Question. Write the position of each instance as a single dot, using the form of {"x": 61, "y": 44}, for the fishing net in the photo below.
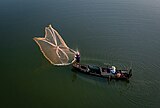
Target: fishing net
{"x": 54, "y": 48}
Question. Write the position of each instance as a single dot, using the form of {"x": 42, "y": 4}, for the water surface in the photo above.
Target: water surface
{"x": 116, "y": 32}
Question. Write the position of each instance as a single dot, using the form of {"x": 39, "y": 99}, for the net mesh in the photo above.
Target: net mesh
{"x": 54, "y": 48}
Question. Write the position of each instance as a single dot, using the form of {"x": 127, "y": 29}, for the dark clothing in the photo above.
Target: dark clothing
{"x": 77, "y": 58}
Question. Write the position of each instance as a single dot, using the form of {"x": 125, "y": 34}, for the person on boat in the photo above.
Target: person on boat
{"x": 118, "y": 75}
{"x": 113, "y": 69}
{"x": 77, "y": 57}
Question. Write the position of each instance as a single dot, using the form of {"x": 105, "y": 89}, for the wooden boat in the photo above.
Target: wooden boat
{"x": 106, "y": 72}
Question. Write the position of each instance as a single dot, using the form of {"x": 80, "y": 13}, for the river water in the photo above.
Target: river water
{"x": 117, "y": 32}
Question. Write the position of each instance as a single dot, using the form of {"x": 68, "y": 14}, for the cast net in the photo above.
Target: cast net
{"x": 54, "y": 48}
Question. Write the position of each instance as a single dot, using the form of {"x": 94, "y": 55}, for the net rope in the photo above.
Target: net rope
{"x": 54, "y": 48}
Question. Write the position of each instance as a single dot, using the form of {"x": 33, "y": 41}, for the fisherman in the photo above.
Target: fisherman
{"x": 113, "y": 69}
{"x": 77, "y": 57}
{"x": 118, "y": 75}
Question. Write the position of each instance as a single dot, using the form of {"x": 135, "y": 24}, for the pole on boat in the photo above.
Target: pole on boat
{"x": 109, "y": 78}
{"x": 130, "y": 70}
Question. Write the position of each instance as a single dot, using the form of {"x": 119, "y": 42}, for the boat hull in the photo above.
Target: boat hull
{"x": 104, "y": 72}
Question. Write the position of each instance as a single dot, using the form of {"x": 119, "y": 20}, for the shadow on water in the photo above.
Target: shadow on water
{"x": 119, "y": 88}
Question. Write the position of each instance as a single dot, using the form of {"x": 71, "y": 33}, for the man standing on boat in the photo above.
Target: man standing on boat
{"x": 77, "y": 57}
